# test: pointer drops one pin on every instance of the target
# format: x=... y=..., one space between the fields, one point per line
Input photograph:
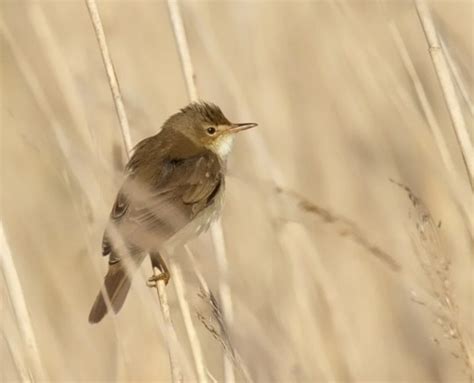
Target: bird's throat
x=223 y=145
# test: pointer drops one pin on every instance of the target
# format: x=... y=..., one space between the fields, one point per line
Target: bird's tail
x=116 y=284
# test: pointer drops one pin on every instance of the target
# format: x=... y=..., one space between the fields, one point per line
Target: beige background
x=338 y=116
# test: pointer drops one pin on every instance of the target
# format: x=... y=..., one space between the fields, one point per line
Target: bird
x=173 y=190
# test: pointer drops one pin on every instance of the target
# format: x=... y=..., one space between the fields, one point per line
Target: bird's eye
x=211 y=130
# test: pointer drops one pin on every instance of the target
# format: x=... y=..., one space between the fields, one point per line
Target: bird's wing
x=118 y=210
x=181 y=190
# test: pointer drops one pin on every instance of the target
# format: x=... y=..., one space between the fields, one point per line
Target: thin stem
x=15 y=350
x=447 y=86
x=430 y=117
x=225 y=296
x=188 y=322
x=109 y=68
x=420 y=91
x=20 y=308
x=183 y=48
x=458 y=77
x=216 y=229
x=72 y=169
x=125 y=129
x=170 y=335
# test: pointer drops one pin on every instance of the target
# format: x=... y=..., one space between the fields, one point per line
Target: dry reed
x=458 y=77
x=125 y=130
x=191 y=331
x=15 y=350
x=344 y=226
x=447 y=86
x=302 y=311
x=420 y=92
x=20 y=307
x=217 y=234
x=436 y=265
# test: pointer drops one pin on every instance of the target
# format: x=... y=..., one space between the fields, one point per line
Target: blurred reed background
x=335 y=273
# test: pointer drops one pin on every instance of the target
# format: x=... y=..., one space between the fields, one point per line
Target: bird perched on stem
x=172 y=191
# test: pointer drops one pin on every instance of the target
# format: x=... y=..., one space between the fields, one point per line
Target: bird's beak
x=234 y=128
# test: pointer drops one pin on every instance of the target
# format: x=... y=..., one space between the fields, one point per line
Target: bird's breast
x=201 y=222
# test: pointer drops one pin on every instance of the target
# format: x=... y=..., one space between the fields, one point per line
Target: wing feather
x=181 y=190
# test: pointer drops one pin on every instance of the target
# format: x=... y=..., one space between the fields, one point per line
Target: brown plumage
x=172 y=190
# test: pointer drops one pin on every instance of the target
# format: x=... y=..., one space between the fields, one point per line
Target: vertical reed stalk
x=183 y=49
x=18 y=301
x=15 y=349
x=457 y=76
x=125 y=130
x=188 y=322
x=109 y=68
x=216 y=229
x=420 y=91
x=447 y=86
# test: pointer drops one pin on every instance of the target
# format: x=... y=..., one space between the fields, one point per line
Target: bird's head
x=205 y=124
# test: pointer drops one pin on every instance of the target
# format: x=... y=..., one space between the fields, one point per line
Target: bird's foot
x=155 y=278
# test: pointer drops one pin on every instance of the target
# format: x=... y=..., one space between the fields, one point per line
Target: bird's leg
x=158 y=262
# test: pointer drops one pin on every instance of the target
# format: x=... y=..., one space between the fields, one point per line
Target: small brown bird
x=173 y=190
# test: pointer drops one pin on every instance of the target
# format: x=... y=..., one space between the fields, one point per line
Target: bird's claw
x=155 y=278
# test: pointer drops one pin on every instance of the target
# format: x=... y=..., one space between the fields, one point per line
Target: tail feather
x=117 y=283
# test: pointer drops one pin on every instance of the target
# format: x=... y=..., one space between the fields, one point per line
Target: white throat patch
x=223 y=145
